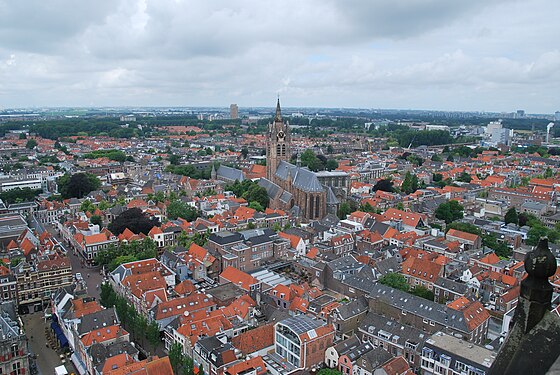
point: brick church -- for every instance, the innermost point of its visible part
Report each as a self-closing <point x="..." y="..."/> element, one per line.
<point x="306" y="194"/>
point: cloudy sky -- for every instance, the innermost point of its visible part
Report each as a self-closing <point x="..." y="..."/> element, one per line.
<point x="487" y="55"/>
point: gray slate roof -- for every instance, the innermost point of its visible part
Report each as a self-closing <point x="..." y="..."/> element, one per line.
<point x="410" y="303"/>
<point x="302" y="178"/>
<point x="230" y="173"/>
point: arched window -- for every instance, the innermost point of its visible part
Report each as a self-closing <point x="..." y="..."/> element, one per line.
<point x="278" y="148"/>
<point x="283" y="149"/>
<point x="317" y="206"/>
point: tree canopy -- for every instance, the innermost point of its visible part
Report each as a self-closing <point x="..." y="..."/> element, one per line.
<point x="511" y="216"/>
<point x="19" y="195"/>
<point x="449" y="211"/>
<point x="384" y="185"/>
<point x="410" y="183"/>
<point x="177" y="208"/>
<point x="250" y="191"/>
<point x="395" y="280"/>
<point x="77" y="185"/>
<point x="133" y="219"/>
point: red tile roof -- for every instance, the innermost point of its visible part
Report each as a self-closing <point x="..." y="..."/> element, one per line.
<point x="421" y="268"/>
<point x="255" y="339"/>
<point x="239" y="278"/>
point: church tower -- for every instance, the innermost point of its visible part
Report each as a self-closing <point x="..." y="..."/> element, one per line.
<point x="278" y="143"/>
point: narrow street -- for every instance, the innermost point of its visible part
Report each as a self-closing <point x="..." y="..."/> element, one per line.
<point x="92" y="277"/>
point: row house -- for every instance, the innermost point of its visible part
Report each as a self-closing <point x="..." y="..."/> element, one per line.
<point x="446" y="354"/>
<point x="214" y="354"/>
<point x="187" y="330"/>
<point x="165" y="312"/>
<point x="341" y="245"/>
<point x="243" y="280"/>
<point x="90" y="245"/>
<point x="49" y="212"/>
<point x="8" y="285"/>
<point x="516" y="197"/>
<point x="245" y="250"/>
<point x="95" y="337"/>
<point x="446" y="290"/>
<point x="396" y="338"/>
<point x="468" y="240"/>
<point x="37" y="280"/>
<point x="421" y="272"/>
<point x="421" y="313"/>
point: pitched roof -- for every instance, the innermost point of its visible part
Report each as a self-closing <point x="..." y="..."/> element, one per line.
<point x="463" y="235"/>
<point x="239" y="278"/>
<point x="421" y="268"/>
<point x="103" y="334"/>
<point x="255" y="339"/>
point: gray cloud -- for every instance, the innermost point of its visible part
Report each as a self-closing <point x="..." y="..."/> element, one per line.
<point x="471" y="55"/>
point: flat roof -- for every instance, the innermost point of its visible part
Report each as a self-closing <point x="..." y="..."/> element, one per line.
<point x="465" y="349"/>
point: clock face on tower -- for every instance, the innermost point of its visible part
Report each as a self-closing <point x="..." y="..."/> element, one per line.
<point x="280" y="135"/>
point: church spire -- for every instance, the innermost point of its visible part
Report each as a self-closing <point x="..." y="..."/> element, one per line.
<point x="278" y="116"/>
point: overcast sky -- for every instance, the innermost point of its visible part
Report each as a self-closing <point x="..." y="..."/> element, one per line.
<point x="486" y="55"/>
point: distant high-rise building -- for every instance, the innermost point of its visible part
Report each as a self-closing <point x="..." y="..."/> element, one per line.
<point x="233" y="111"/>
<point x="557" y="116"/>
<point x="520" y="113"/>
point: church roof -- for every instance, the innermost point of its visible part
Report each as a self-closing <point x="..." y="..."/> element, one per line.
<point x="302" y="178"/>
<point x="230" y="173"/>
<point x="285" y="197"/>
<point x="331" y="198"/>
<point x="272" y="189"/>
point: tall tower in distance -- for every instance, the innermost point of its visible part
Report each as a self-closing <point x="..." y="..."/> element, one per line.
<point x="233" y="112"/>
<point x="278" y="143"/>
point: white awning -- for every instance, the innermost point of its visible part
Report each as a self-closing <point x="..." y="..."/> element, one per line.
<point x="79" y="365"/>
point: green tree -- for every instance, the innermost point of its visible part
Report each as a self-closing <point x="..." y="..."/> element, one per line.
<point x="152" y="334"/>
<point x="96" y="220"/>
<point x="19" y="195"/>
<point x="121" y="260"/>
<point x="258" y="194"/>
<point x="436" y="158"/>
<point x="449" y="211"/>
<point x="107" y="295"/>
<point x="346" y="208"/>
<point x="174" y="159"/>
<point x="395" y="280"/>
<point x="31" y="144"/>
<point x="22" y="136"/>
<point x="328" y="371"/>
<point x="423" y="292"/>
<point x="511" y="216"/>
<point x="256" y="206"/>
<point x="244" y="152"/>
<point x="332" y="164"/>
<point x="87" y="206"/>
<point x="178" y="208"/>
<point x="384" y="185"/>
<point x="176" y="357"/>
<point x="535" y="233"/>
<point x="133" y="219"/>
<point x="548" y="173"/>
<point x="330" y="149"/>
<point x="464" y="227"/>
<point x="464" y="177"/>
<point x="367" y="207"/>
<point x="410" y="183"/>
<point x="77" y="185"/>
